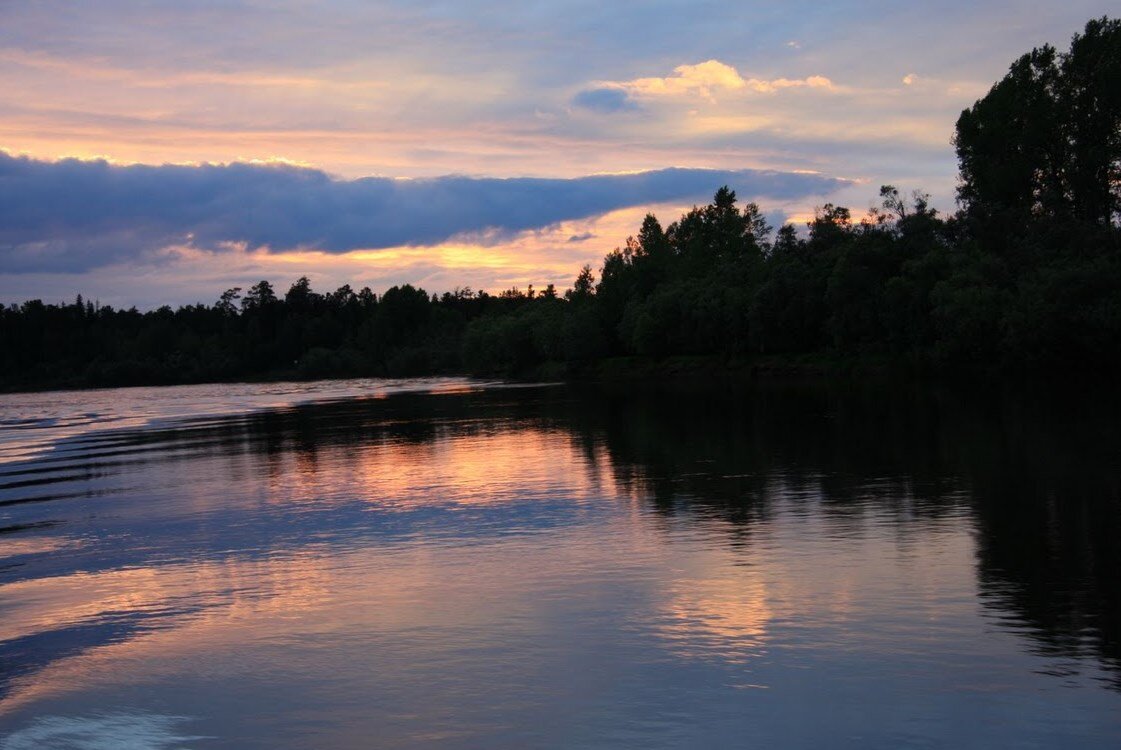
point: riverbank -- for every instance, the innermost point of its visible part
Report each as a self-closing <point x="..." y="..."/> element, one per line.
<point x="630" y="370"/>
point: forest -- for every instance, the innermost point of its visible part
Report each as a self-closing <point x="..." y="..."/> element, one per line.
<point x="1025" y="276"/>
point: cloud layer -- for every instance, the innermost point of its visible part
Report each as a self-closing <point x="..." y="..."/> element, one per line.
<point x="73" y="215"/>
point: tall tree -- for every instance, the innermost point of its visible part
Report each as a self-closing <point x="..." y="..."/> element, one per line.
<point x="1045" y="143"/>
<point x="1091" y="99"/>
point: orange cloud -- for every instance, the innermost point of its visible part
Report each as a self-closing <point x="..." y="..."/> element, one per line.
<point x="706" y="78"/>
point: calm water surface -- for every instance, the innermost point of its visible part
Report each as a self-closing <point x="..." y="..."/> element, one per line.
<point x="443" y="563"/>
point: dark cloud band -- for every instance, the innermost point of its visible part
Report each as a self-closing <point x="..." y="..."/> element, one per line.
<point x="73" y="215"/>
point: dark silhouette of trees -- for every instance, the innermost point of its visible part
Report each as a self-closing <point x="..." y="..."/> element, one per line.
<point x="1091" y="92"/>
<point x="1044" y="145"/>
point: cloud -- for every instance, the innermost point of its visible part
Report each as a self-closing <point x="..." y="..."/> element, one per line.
<point x="184" y="275"/>
<point x="73" y="215"/>
<point x="702" y="80"/>
<point x="604" y="100"/>
<point x="812" y="82"/>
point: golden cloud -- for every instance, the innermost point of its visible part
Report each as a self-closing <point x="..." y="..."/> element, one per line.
<point x="706" y="78"/>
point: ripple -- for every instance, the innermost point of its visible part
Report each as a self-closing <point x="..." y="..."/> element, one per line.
<point x="119" y="731"/>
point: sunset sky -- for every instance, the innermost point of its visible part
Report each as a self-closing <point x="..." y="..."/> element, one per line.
<point x="162" y="152"/>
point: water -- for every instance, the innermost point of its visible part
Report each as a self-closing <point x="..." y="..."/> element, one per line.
<point x="443" y="563"/>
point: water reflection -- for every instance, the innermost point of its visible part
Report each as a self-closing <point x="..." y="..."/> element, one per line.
<point x="722" y="618"/>
<point x="664" y="569"/>
<point x="1037" y="475"/>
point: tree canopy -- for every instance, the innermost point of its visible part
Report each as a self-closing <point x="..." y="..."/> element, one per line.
<point x="1044" y="145"/>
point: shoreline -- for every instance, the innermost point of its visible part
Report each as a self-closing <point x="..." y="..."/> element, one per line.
<point x="678" y="369"/>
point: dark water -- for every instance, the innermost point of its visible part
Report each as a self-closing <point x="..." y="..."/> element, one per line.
<point x="444" y="564"/>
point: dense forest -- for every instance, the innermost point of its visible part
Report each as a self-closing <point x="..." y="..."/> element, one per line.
<point x="1025" y="276"/>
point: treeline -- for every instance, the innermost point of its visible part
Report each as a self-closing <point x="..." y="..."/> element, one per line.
<point x="1026" y="275"/>
<point x="903" y="285"/>
<point x="302" y="334"/>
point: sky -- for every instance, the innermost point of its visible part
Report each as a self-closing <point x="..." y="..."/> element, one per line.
<point x="158" y="153"/>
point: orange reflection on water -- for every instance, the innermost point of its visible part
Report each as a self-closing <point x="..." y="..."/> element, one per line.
<point x="45" y="604"/>
<point x="328" y="611"/>
<point x="467" y="464"/>
<point x="35" y="546"/>
<point x="717" y="616"/>
<point x="173" y="609"/>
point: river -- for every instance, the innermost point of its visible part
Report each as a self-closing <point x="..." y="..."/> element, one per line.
<point x="456" y="564"/>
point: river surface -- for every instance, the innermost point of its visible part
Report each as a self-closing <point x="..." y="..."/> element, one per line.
<point x="454" y="564"/>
